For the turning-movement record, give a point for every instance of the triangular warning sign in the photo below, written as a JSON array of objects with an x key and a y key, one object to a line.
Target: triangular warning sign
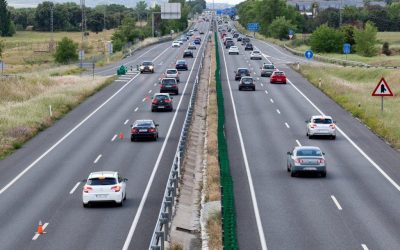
[{"x": 382, "y": 89}]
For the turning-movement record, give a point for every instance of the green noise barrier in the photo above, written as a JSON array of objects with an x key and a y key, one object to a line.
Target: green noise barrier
[{"x": 229, "y": 239}]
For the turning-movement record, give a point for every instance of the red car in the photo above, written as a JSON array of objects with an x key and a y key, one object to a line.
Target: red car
[{"x": 278, "y": 77}]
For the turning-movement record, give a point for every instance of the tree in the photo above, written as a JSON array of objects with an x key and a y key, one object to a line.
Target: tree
[
  {"x": 365, "y": 40},
  {"x": 326, "y": 39},
  {"x": 280, "y": 27},
  {"x": 1, "y": 49},
  {"x": 95, "y": 21},
  {"x": 66, "y": 51},
  {"x": 348, "y": 31},
  {"x": 7, "y": 28}
]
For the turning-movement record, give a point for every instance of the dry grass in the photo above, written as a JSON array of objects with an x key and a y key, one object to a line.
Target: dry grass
[
  {"x": 214, "y": 232},
  {"x": 213, "y": 175},
  {"x": 352, "y": 87},
  {"x": 25, "y": 101}
]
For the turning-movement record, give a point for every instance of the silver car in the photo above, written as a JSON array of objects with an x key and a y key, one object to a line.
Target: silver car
[
  {"x": 306, "y": 159},
  {"x": 172, "y": 73},
  {"x": 319, "y": 125},
  {"x": 255, "y": 55}
]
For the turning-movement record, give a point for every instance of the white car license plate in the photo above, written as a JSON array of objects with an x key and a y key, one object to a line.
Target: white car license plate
[
  {"x": 310, "y": 169},
  {"x": 160, "y": 107},
  {"x": 101, "y": 195},
  {"x": 142, "y": 130}
]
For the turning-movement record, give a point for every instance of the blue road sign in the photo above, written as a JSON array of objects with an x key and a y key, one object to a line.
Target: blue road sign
[
  {"x": 291, "y": 33},
  {"x": 253, "y": 27},
  {"x": 309, "y": 54},
  {"x": 346, "y": 48},
  {"x": 219, "y": 12}
]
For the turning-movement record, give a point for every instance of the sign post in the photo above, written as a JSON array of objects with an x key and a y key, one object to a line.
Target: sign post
[
  {"x": 255, "y": 27},
  {"x": 382, "y": 89}
]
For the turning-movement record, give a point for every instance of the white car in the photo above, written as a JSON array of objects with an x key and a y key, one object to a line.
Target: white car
[
  {"x": 321, "y": 125},
  {"x": 180, "y": 41},
  {"x": 233, "y": 50},
  {"x": 172, "y": 73},
  {"x": 255, "y": 55},
  {"x": 104, "y": 186},
  {"x": 176, "y": 44}
]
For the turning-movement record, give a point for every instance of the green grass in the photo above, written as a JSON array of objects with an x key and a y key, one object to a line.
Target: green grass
[{"x": 351, "y": 88}]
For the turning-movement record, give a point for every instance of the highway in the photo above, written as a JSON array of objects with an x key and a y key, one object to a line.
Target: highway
[
  {"x": 42, "y": 180},
  {"x": 355, "y": 207}
]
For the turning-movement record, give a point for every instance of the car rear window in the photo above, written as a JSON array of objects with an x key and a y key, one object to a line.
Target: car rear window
[
  {"x": 279, "y": 73},
  {"x": 171, "y": 71},
  {"x": 322, "y": 121},
  {"x": 180, "y": 62},
  {"x": 162, "y": 97},
  {"x": 168, "y": 81},
  {"x": 309, "y": 152},
  {"x": 266, "y": 66},
  {"x": 243, "y": 71},
  {"x": 147, "y": 63},
  {"x": 144, "y": 124},
  {"x": 247, "y": 80},
  {"x": 102, "y": 181}
]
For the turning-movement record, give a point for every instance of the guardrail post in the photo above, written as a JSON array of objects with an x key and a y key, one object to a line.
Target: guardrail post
[
  {"x": 165, "y": 221},
  {"x": 168, "y": 204},
  {"x": 160, "y": 235},
  {"x": 171, "y": 191}
]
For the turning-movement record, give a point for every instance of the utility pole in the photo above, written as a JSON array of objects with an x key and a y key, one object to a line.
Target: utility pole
[
  {"x": 83, "y": 28},
  {"x": 152, "y": 22},
  {"x": 51, "y": 45},
  {"x": 340, "y": 13}
]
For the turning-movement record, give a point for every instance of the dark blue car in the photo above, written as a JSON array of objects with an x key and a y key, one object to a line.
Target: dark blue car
[{"x": 197, "y": 41}]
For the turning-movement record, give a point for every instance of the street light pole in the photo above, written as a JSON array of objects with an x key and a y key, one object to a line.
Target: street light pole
[{"x": 152, "y": 22}]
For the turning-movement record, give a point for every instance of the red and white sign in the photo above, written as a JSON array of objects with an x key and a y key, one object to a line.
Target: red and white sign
[{"x": 382, "y": 89}]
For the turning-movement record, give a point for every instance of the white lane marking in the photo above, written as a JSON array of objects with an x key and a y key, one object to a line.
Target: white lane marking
[
  {"x": 262, "y": 85},
  {"x": 97, "y": 159},
  {"x": 271, "y": 100},
  {"x": 119, "y": 80},
  {"x": 298, "y": 143},
  {"x": 37, "y": 235},
  {"x": 161, "y": 63},
  {"x": 144, "y": 99},
  {"x": 155, "y": 84},
  {"x": 364, "y": 247},
  {"x": 278, "y": 111},
  {"x": 150, "y": 91},
  {"x": 153, "y": 173},
  {"x": 336, "y": 202},
  {"x": 373, "y": 163},
  {"x": 74, "y": 188},
  {"x": 64, "y": 137},
  {"x": 258, "y": 78},
  {"x": 136, "y": 109},
  {"x": 126, "y": 121},
  {"x": 114, "y": 137},
  {"x": 254, "y": 72},
  {"x": 287, "y": 125},
  {"x": 266, "y": 92},
  {"x": 246, "y": 163}
]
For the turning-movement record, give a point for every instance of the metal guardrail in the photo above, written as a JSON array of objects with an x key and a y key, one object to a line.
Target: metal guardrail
[{"x": 163, "y": 225}]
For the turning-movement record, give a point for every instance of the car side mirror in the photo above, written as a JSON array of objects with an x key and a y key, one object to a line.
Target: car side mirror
[
  {"x": 334, "y": 121},
  {"x": 156, "y": 124},
  {"x": 307, "y": 121},
  {"x": 132, "y": 126},
  {"x": 125, "y": 179},
  {"x": 323, "y": 153},
  {"x": 289, "y": 153}
]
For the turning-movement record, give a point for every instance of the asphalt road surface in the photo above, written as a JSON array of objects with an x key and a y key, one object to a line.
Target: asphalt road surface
[
  {"x": 42, "y": 180},
  {"x": 355, "y": 207}
]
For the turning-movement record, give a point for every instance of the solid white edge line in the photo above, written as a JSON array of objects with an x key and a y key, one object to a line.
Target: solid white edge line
[
  {"x": 97, "y": 159},
  {"x": 114, "y": 137},
  {"x": 364, "y": 247},
  {"x": 298, "y": 143},
  {"x": 287, "y": 125},
  {"x": 150, "y": 182},
  {"x": 336, "y": 202},
  {"x": 69, "y": 133},
  {"x": 246, "y": 163},
  {"x": 74, "y": 188}
]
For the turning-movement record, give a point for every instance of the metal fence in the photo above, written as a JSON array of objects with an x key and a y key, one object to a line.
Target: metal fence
[{"x": 163, "y": 226}]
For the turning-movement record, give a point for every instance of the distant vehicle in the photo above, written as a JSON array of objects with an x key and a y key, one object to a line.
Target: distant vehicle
[
  {"x": 104, "y": 186},
  {"x": 236, "y": 35},
  {"x": 239, "y": 39},
  {"x": 144, "y": 129},
  {"x": 180, "y": 41},
  {"x": 161, "y": 101},
  {"x": 187, "y": 53},
  {"x": 255, "y": 55},
  {"x": 169, "y": 85},
  {"x": 246, "y": 40},
  {"x": 248, "y": 46},
  {"x": 172, "y": 73},
  {"x": 147, "y": 66},
  {"x": 192, "y": 47},
  {"x": 229, "y": 43},
  {"x": 240, "y": 72},
  {"x": 267, "y": 69},
  {"x": 319, "y": 125},
  {"x": 306, "y": 159},
  {"x": 176, "y": 44},
  {"x": 233, "y": 50},
  {"x": 197, "y": 41},
  {"x": 181, "y": 65},
  {"x": 201, "y": 32},
  {"x": 247, "y": 82},
  {"x": 278, "y": 77}
]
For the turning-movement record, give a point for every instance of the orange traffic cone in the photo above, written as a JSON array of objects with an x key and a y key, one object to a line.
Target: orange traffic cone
[
  {"x": 121, "y": 136},
  {"x": 40, "y": 228}
]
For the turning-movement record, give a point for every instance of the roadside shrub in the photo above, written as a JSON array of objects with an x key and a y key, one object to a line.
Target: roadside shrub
[
  {"x": 280, "y": 27},
  {"x": 326, "y": 39},
  {"x": 385, "y": 49},
  {"x": 348, "y": 31},
  {"x": 365, "y": 40},
  {"x": 66, "y": 51}
]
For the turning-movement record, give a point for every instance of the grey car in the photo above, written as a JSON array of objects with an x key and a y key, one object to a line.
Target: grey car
[
  {"x": 306, "y": 159},
  {"x": 267, "y": 69}
]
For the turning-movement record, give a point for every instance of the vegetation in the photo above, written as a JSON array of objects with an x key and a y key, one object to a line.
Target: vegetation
[
  {"x": 365, "y": 40},
  {"x": 351, "y": 88},
  {"x": 326, "y": 39},
  {"x": 280, "y": 26},
  {"x": 6, "y": 25},
  {"x": 66, "y": 51}
]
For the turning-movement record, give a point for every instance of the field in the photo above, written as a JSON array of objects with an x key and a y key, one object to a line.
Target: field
[
  {"x": 351, "y": 88},
  {"x": 28, "y": 51}
]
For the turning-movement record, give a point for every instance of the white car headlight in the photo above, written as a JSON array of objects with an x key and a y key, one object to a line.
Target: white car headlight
[
  {"x": 151, "y": 67},
  {"x": 141, "y": 67}
]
